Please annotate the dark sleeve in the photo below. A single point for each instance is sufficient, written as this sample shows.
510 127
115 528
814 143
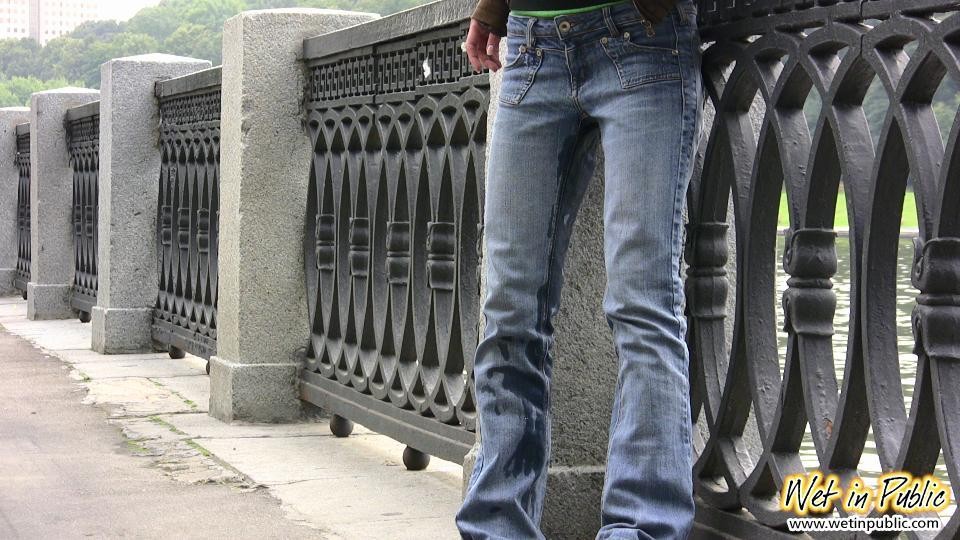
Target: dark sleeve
655 10
493 14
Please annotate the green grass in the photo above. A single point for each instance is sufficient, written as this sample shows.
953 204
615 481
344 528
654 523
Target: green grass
909 219
137 448
161 422
189 402
203 451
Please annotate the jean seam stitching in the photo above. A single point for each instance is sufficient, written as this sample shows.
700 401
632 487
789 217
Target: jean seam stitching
674 251
695 138
618 396
573 90
551 251
477 466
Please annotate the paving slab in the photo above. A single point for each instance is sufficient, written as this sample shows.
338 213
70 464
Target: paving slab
297 459
194 389
12 308
352 509
85 355
119 366
151 428
206 427
355 486
134 396
52 335
273 461
399 529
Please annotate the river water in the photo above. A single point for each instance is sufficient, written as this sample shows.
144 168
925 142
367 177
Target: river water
906 295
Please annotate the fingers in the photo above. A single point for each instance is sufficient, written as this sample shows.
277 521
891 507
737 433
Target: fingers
482 48
493 52
473 53
475 44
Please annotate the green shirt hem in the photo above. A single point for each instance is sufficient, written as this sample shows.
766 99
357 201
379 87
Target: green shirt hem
549 14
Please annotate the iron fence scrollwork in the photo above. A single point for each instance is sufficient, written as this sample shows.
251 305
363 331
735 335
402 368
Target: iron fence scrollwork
188 208
394 207
22 274
392 233
788 81
83 136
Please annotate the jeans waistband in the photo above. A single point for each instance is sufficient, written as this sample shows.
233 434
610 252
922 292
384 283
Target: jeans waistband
565 26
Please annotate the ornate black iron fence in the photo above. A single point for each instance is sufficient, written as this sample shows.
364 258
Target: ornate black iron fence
83 134
395 199
391 246
22 275
185 315
788 81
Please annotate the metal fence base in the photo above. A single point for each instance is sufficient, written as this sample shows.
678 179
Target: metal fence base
409 427
711 524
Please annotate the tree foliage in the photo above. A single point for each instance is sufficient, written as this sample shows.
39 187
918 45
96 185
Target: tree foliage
194 27
15 91
182 27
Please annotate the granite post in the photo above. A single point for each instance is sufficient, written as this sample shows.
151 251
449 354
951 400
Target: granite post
129 171
9 182
264 166
51 203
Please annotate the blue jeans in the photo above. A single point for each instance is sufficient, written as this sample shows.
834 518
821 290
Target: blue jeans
571 83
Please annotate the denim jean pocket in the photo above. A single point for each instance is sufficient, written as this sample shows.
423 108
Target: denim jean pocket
519 71
639 63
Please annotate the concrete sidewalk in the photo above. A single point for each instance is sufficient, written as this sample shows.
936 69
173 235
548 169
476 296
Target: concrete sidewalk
353 488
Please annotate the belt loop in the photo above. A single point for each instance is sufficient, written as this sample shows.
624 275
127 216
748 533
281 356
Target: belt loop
529 32
608 18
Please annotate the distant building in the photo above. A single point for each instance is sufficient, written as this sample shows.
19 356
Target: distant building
54 18
15 19
44 20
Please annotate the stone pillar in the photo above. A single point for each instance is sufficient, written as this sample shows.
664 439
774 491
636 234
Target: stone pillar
9 183
129 172
264 172
51 203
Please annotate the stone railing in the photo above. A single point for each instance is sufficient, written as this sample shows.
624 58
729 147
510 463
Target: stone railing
314 231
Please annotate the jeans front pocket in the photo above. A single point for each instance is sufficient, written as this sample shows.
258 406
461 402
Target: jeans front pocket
639 64
519 71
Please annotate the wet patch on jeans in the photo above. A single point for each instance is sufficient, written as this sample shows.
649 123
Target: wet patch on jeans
529 456
524 385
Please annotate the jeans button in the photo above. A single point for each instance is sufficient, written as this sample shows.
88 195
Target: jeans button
564 26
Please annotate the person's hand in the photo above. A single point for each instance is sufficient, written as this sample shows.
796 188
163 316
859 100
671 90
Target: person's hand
482 47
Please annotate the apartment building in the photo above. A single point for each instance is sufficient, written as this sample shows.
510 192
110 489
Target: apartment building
44 20
54 18
14 19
